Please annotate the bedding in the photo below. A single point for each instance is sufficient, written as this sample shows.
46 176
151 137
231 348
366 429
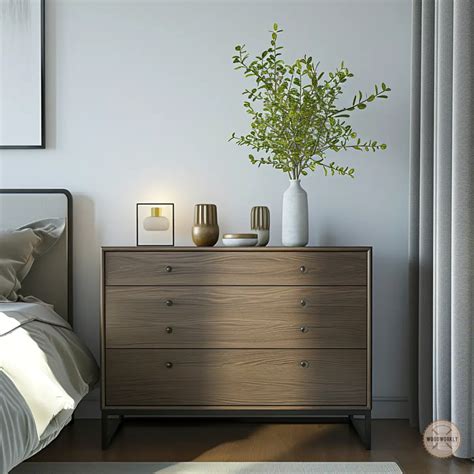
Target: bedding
44 373
18 250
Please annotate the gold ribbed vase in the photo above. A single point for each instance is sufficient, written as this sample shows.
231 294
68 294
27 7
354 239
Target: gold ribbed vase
260 222
205 229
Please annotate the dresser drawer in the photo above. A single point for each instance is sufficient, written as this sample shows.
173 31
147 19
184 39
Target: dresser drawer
283 377
236 317
236 268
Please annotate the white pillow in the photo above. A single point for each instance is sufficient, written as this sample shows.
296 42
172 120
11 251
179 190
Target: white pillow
19 248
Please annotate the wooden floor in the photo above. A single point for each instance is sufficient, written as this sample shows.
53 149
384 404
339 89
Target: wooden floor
152 440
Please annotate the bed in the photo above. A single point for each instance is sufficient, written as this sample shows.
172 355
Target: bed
45 370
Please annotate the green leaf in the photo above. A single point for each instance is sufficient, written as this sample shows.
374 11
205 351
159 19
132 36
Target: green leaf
275 26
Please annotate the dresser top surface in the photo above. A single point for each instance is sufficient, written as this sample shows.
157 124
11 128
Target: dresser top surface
146 248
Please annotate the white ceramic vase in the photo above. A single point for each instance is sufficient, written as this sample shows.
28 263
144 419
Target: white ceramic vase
295 216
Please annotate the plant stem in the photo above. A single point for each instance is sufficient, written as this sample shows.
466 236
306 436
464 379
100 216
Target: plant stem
353 107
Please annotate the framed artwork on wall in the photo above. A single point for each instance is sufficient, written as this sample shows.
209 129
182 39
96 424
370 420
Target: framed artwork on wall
22 73
155 224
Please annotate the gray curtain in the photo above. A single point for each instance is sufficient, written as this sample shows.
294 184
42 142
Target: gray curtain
441 249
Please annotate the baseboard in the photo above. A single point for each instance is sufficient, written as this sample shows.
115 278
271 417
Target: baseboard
390 407
383 407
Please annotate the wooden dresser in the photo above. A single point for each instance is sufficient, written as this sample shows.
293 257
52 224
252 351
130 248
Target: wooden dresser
254 332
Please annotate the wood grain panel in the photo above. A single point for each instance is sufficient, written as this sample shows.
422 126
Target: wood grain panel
235 377
236 317
232 268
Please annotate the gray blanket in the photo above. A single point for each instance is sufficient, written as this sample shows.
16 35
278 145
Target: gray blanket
44 373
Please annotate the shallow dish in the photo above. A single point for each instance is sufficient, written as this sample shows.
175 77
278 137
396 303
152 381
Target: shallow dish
240 240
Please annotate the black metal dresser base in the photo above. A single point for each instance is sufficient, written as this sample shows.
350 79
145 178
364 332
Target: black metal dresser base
359 420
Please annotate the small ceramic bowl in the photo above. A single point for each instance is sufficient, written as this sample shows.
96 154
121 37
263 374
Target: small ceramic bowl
240 240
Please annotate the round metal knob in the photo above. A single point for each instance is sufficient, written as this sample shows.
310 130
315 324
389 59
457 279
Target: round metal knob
303 329
168 268
302 269
303 303
169 365
169 303
304 364
169 330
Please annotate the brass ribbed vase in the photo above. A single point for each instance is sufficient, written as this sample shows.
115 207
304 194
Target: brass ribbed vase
205 228
260 222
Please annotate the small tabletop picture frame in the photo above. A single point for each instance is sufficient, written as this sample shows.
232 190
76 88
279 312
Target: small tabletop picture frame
155 224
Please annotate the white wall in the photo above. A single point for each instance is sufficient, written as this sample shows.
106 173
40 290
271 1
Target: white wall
141 98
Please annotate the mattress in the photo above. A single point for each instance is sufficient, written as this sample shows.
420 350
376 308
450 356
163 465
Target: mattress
45 371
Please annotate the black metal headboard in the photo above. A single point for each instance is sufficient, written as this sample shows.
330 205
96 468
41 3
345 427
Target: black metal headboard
20 206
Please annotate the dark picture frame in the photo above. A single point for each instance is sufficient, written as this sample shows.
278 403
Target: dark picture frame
138 223
42 115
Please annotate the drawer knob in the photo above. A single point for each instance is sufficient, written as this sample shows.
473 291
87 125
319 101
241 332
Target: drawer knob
168 268
304 364
169 303
302 269
169 330
169 365
303 329
303 303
